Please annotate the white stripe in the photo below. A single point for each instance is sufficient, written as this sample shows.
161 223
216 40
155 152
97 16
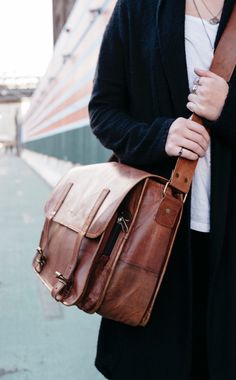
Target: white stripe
77 106
85 80
61 83
66 128
75 88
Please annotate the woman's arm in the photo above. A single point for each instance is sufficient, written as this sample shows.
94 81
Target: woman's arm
134 142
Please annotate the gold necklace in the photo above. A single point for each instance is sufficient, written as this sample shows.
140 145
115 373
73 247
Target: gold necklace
215 19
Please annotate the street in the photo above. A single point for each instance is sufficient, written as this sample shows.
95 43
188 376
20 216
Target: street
39 338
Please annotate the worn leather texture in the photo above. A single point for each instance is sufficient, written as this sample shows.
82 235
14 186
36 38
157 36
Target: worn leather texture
105 248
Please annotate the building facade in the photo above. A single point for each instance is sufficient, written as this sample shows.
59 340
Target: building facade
61 12
57 123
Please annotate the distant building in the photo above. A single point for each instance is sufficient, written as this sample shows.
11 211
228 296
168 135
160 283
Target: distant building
14 91
7 121
61 11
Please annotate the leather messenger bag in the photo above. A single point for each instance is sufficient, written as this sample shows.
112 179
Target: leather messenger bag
110 228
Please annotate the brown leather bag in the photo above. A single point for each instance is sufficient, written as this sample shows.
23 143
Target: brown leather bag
110 228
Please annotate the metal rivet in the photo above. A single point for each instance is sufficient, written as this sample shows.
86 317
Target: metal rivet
168 210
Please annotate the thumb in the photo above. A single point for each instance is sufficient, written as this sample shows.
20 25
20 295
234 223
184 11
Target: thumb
204 73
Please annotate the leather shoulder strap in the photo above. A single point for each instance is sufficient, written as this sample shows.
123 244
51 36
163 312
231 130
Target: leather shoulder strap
223 65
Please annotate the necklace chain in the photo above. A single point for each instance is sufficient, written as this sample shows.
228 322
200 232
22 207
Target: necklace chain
214 16
203 24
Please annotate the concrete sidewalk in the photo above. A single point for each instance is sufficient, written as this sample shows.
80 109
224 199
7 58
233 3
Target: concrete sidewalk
39 338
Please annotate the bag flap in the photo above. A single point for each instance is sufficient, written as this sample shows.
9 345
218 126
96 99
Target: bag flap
89 182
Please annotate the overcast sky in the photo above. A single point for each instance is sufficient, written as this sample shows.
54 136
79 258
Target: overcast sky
26 39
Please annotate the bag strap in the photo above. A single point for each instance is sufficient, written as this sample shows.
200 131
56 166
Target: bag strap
223 64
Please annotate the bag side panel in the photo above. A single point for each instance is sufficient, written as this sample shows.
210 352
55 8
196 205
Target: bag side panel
128 294
140 267
150 236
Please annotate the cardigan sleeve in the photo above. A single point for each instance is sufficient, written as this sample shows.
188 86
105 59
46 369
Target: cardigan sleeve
133 141
225 126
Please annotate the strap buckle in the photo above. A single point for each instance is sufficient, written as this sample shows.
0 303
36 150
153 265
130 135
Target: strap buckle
62 279
182 195
40 259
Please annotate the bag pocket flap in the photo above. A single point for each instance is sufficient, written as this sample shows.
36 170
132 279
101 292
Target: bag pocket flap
88 184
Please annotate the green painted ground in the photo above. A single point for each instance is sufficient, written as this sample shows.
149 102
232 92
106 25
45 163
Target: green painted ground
39 339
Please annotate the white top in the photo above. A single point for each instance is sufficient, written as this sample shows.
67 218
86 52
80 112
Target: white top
199 54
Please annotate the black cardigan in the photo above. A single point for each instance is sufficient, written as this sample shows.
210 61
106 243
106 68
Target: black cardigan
132 106
140 87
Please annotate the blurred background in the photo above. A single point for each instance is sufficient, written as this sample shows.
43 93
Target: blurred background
49 50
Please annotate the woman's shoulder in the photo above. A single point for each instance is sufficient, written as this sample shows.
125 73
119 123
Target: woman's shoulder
135 6
136 11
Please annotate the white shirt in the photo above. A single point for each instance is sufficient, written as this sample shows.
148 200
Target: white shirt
199 54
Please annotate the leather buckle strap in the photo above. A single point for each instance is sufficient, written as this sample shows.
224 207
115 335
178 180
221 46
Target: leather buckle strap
223 64
61 289
40 259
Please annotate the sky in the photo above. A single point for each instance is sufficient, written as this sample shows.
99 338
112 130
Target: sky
26 37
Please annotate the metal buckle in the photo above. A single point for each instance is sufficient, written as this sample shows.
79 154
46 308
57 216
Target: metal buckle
62 279
65 291
184 195
166 187
40 258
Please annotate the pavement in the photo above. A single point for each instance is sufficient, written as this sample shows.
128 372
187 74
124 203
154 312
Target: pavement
39 338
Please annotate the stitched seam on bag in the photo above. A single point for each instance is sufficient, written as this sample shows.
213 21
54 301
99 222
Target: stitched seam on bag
51 213
144 268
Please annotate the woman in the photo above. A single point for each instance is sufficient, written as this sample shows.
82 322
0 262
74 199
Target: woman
153 71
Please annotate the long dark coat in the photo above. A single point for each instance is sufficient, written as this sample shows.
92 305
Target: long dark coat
140 87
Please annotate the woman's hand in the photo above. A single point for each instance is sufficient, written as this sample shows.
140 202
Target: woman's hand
187 138
209 96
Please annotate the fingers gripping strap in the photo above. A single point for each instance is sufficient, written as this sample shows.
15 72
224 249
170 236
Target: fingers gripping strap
65 280
223 65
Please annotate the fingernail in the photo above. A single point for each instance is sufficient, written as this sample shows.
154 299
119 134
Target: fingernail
190 107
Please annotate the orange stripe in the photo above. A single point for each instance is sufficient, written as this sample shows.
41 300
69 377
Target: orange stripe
75 116
73 79
68 102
